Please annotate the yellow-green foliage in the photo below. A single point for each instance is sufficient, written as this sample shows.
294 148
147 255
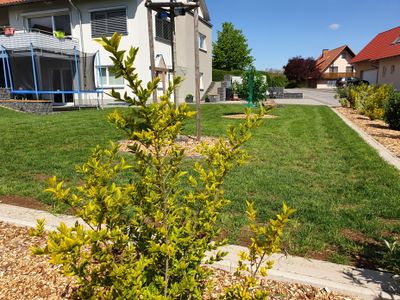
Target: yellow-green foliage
369 100
376 101
145 237
265 241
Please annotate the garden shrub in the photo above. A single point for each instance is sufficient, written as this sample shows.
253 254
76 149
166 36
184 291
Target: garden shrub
276 80
392 112
265 240
145 236
260 86
376 101
391 257
369 100
342 94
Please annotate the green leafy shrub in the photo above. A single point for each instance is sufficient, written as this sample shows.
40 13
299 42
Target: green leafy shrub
260 86
145 237
276 80
392 112
376 101
342 94
369 100
391 257
265 241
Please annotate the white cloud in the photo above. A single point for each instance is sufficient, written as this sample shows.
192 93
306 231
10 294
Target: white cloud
334 26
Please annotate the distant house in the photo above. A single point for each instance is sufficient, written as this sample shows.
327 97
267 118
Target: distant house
379 61
334 64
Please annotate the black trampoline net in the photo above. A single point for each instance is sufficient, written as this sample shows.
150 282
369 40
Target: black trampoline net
54 72
2 79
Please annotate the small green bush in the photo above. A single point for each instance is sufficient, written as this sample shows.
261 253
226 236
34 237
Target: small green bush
276 80
342 94
391 257
392 112
376 101
260 86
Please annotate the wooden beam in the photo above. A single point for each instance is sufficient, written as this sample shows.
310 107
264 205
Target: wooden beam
173 50
197 72
154 5
151 45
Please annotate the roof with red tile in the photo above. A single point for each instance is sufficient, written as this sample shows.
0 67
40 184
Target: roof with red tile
382 46
15 2
329 56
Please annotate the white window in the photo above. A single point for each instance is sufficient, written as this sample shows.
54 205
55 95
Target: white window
333 69
50 24
108 78
202 42
201 82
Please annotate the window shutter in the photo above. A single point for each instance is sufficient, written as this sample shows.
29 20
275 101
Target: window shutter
106 23
163 29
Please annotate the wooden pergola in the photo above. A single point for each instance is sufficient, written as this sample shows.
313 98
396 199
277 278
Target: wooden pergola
174 9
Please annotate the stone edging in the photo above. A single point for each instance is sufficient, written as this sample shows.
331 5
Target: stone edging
25 101
383 152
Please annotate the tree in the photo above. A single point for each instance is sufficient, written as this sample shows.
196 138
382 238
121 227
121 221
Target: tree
300 70
231 51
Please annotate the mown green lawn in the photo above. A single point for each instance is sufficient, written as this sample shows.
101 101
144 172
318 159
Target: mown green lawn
347 198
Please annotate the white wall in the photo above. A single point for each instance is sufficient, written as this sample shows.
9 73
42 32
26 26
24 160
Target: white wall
137 36
389 71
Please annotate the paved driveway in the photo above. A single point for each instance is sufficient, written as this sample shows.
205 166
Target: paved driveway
311 97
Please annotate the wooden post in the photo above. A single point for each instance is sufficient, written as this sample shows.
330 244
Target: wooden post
197 72
151 44
173 50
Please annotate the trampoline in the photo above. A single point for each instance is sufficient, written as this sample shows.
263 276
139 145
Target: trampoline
50 74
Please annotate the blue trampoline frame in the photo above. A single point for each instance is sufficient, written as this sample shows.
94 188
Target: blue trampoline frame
9 82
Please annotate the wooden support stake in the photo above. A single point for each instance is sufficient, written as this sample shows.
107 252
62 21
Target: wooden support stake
197 72
151 44
173 50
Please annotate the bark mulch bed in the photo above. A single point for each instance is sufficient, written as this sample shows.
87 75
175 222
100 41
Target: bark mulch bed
188 143
377 129
23 276
243 116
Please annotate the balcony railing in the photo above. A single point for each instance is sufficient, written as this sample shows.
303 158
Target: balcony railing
41 40
338 75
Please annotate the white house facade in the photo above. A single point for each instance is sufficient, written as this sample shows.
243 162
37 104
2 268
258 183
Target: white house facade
68 60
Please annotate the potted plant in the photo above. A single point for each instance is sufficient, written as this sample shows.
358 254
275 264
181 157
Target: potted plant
9 31
189 98
59 34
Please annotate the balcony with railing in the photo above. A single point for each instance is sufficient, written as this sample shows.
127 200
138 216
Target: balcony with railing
337 75
20 40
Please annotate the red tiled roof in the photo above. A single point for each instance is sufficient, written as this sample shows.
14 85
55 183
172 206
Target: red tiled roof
15 2
381 46
329 56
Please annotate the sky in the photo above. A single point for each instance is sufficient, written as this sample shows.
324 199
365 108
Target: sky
280 29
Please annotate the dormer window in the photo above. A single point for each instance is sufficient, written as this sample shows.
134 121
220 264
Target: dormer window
396 41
